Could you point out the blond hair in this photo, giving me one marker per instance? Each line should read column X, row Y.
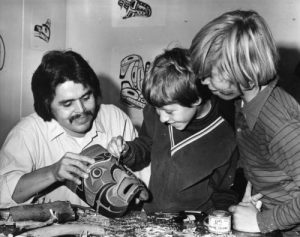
column 241, row 47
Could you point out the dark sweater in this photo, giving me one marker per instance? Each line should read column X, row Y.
column 191, row 169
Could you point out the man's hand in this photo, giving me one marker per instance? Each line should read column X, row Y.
column 71, row 167
column 244, row 214
column 117, row 146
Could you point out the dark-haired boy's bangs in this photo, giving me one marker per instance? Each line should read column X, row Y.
column 160, row 96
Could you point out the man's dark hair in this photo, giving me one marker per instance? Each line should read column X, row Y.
column 56, row 68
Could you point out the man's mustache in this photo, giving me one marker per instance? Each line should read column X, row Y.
column 84, row 114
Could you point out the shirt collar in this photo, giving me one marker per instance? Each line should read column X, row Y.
column 56, row 130
column 252, row 109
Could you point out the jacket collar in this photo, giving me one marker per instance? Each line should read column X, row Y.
column 252, row 109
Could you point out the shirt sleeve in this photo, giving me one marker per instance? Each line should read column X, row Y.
column 285, row 147
column 15, row 161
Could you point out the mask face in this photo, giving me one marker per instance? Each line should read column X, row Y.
column 110, row 186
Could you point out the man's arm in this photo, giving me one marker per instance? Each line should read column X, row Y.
column 20, row 181
column 70, row 167
column 16, row 159
column 31, row 184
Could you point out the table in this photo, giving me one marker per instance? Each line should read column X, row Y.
column 133, row 224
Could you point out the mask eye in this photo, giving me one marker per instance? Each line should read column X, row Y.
column 103, row 156
column 96, row 173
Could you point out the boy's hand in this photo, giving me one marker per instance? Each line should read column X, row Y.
column 244, row 217
column 244, row 214
column 117, row 146
column 71, row 167
column 144, row 196
column 255, row 199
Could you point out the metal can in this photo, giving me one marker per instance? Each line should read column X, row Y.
column 219, row 222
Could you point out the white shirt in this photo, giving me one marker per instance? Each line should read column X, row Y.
column 34, row 143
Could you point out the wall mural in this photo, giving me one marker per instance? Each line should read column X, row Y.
column 43, row 31
column 135, row 8
column 2, row 53
column 132, row 74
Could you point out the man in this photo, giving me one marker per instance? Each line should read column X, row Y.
column 42, row 150
column 236, row 57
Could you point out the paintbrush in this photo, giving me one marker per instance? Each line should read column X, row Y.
column 124, row 129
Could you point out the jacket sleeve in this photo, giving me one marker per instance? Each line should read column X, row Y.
column 222, row 182
column 139, row 154
column 286, row 147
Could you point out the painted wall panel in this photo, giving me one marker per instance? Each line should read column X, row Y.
column 97, row 30
column 114, row 45
column 23, row 52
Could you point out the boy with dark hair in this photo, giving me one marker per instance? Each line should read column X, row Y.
column 190, row 146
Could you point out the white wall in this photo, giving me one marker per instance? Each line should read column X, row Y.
column 23, row 53
column 95, row 29
column 37, row 12
column 10, row 76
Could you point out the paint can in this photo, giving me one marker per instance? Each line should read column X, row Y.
column 4, row 213
column 219, row 222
